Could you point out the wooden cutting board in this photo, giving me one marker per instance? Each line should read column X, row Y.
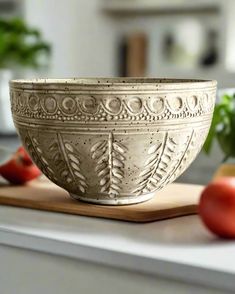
column 174, row 200
column 224, row 170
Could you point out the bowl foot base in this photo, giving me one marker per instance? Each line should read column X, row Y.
column 121, row 200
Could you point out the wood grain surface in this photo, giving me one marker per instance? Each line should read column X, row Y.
column 224, row 170
column 174, row 200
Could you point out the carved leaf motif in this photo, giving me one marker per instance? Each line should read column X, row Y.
column 144, row 183
column 110, row 158
column 153, row 149
column 59, row 161
column 70, row 162
column 145, row 172
column 157, row 171
column 179, row 160
column 118, row 147
column 197, row 138
column 98, row 146
column 35, row 151
column 151, row 160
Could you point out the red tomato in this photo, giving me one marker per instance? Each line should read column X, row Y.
column 20, row 168
column 217, row 207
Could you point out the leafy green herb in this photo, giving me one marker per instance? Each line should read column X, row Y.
column 20, row 44
column 223, row 127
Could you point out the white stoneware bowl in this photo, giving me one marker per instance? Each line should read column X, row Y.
column 112, row 141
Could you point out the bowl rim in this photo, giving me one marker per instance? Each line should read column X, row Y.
column 112, row 82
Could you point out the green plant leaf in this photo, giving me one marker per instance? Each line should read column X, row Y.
column 212, row 132
column 21, row 44
column 223, row 127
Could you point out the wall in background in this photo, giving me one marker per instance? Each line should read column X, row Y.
column 85, row 42
column 83, row 39
column 230, row 35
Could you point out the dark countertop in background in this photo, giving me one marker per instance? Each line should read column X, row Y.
column 10, row 141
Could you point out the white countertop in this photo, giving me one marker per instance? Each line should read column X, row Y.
column 179, row 248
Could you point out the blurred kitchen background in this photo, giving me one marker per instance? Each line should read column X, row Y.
column 78, row 38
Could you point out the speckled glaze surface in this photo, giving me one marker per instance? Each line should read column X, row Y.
column 112, row 141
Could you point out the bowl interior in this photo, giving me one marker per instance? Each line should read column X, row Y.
column 114, row 81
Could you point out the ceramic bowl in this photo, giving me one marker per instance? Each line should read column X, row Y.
column 112, row 141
